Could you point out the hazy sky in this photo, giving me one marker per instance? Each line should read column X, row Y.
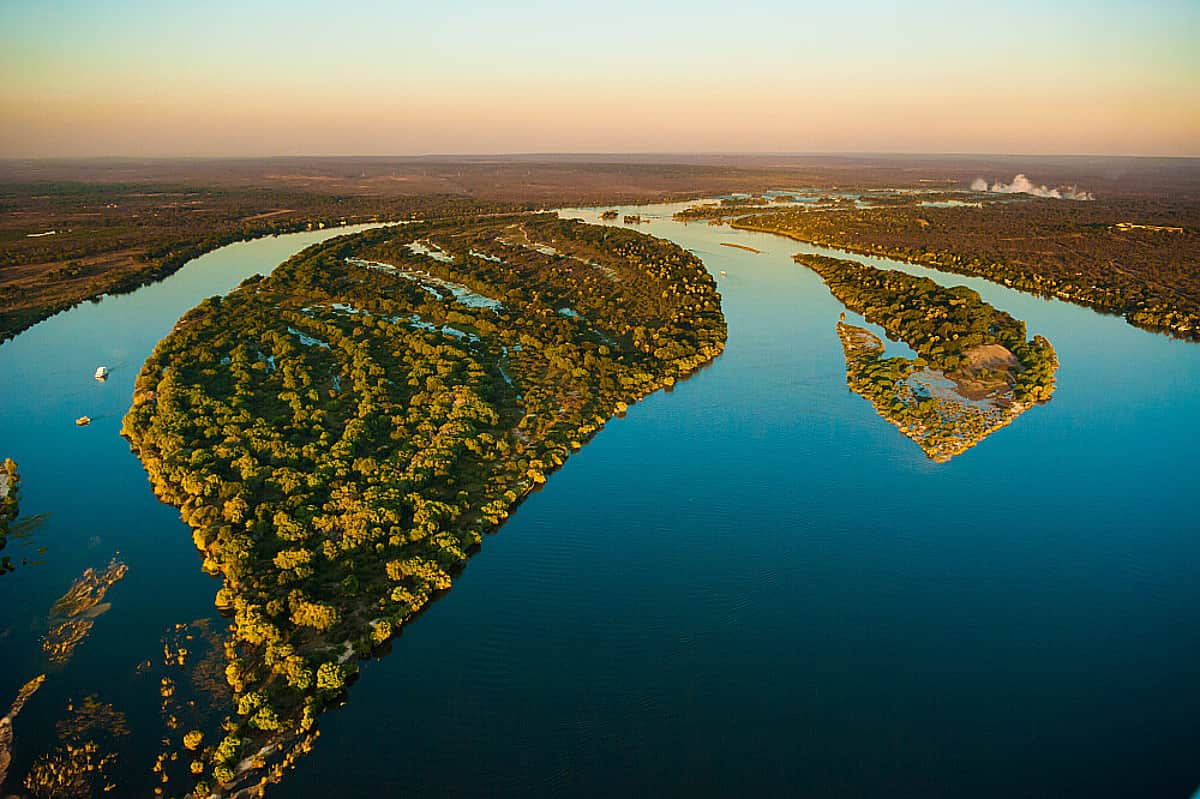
column 448, row 76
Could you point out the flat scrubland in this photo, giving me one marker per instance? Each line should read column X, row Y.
column 116, row 224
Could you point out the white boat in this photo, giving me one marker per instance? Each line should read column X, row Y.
column 101, row 372
column 83, row 421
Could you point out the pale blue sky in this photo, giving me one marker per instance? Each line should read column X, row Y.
column 396, row 78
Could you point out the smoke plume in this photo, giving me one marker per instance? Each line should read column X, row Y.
column 1023, row 185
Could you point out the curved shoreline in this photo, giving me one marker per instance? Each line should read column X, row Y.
column 359, row 736
column 380, row 450
column 158, row 272
column 1193, row 335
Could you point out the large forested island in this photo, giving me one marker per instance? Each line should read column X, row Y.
column 341, row 435
column 975, row 371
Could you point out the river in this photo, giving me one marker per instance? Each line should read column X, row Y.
column 750, row 584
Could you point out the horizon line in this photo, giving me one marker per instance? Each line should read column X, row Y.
column 591, row 153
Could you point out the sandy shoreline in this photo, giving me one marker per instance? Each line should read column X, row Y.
column 740, row 247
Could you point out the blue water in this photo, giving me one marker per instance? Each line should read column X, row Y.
column 749, row 585
column 100, row 502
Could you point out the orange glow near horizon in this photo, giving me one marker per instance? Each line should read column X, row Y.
column 195, row 93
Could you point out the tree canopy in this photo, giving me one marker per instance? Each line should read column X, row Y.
column 341, row 434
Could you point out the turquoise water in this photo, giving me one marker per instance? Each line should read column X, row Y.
column 751, row 584
column 100, row 502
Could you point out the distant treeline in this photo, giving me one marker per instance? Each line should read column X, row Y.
column 1075, row 251
column 110, row 239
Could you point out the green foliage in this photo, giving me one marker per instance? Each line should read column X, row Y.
column 329, row 677
column 943, row 325
column 341, row 434
column 957, row 337
column 10, row 509
column 1081, row 252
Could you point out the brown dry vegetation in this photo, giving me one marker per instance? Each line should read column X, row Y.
column 110, row 238
column 123, row 222
column 1076, row 251
column 567, row 179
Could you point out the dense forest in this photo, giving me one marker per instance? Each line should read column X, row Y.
column 945, row 326
column 10, row 486
column 341, row 434
column 1087, row 253
column 975, row 370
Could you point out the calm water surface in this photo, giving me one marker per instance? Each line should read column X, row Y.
column 752, row 584
column 100, row 503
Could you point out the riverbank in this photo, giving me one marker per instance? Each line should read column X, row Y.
column 940, row 420
column 1005, row 243
column 115, row 240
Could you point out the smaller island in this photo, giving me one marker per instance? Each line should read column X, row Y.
column 974, row 373
column 717, row 213
column 1009, row 242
